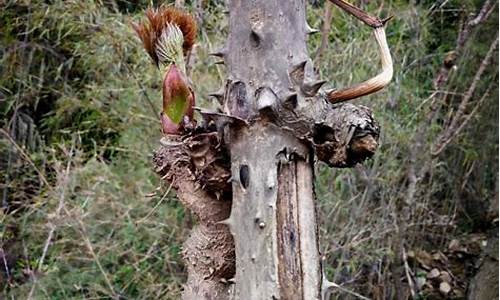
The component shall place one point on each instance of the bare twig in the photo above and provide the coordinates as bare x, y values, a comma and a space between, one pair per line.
331, 286
467, 176
136, 79
462, 38
440, 80
5, 203
63, 184
407, 273
210, 50
156, 206
88, 244
4, 261
484, 13
476, 107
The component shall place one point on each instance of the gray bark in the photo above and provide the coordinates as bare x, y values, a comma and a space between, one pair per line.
484, 285
273, 216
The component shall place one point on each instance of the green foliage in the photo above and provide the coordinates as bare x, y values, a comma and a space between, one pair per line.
81, 99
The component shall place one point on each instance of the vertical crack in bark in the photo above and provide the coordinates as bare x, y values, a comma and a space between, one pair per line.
288, 231
268, 213
309, 241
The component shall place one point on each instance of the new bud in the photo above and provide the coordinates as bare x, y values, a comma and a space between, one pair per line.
178, 101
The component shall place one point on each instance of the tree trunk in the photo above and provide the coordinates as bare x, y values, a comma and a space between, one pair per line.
273, 219
258, 155
271, 81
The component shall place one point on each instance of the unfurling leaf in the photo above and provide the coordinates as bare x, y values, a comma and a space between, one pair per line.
167, 35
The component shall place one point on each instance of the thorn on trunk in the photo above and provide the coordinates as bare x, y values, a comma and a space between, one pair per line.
219, 53
290, 101
237, 103
330, 91
219, 62
310, 30
311, 88
221, 120
228, 222
297, 72
266, 102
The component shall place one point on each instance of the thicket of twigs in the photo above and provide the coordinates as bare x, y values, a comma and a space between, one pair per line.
84, 216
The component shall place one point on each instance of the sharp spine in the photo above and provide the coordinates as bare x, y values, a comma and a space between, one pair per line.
311, 88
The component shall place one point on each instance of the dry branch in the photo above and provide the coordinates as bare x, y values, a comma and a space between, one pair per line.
381, 80
359, 14
462, 38
325, 29
458, 118
414, 174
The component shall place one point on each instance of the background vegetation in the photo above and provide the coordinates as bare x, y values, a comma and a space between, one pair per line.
84, 216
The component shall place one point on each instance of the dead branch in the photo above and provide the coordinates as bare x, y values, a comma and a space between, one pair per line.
462, 38
458, 118
359, 14
483, 14
439, 81
382, 79
325, 29
408, 275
